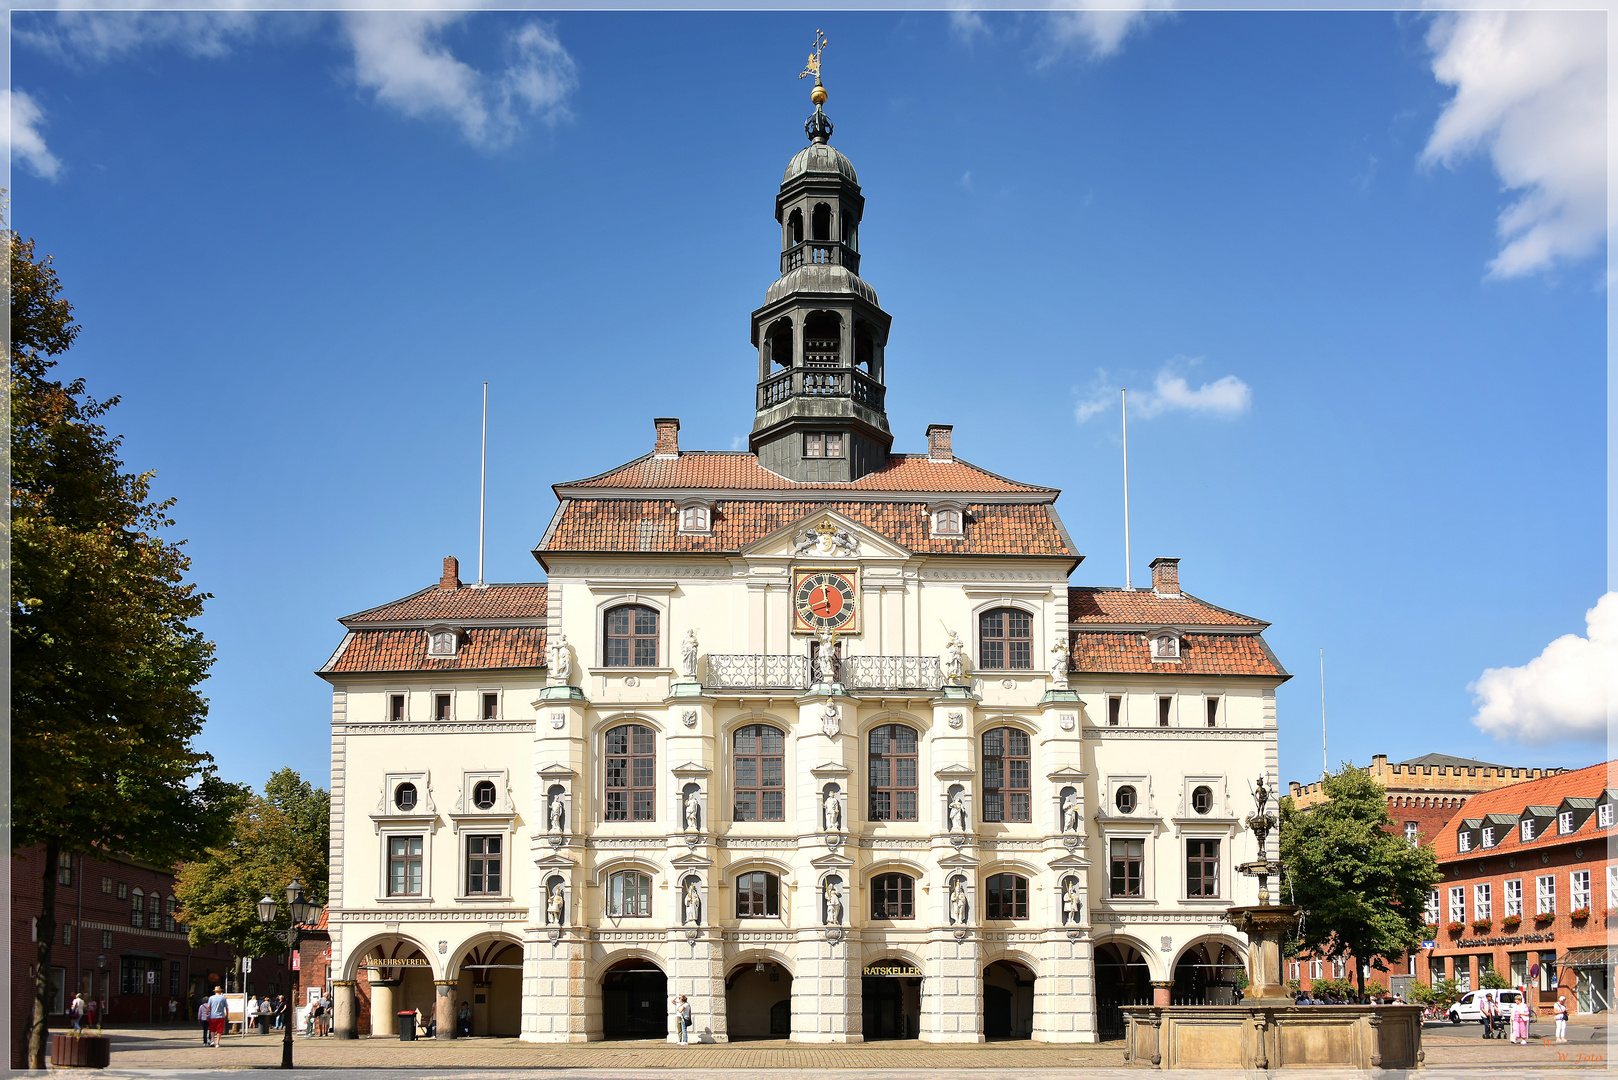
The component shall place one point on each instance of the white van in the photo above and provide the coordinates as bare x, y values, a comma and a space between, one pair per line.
1470, 1007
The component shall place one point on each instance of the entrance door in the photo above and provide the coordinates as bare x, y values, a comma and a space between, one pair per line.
634, 1001
892, 1007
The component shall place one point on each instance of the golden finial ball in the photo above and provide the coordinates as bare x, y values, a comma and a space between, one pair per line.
818, 95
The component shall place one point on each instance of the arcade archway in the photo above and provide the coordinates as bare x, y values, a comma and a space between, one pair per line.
1008, 1000
1207, 974
890, 994
634, 1000
758, 1001
1122, 977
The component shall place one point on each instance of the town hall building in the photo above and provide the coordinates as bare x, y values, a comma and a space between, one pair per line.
816, 734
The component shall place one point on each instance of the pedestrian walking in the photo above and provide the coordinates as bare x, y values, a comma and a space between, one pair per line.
1519, 1018
1561, 1019
280, 1011
202, 1018
1487, 1009
250, 1014
174, 1007
218, 1014
75, 1012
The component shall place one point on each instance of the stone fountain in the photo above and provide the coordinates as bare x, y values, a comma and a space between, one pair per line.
1266, 1030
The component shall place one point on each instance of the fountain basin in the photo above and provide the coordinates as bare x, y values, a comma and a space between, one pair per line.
1260, 1035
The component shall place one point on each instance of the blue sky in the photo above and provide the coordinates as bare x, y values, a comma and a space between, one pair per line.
1360, 309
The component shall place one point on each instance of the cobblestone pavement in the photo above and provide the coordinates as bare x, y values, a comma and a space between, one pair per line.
1458, 1052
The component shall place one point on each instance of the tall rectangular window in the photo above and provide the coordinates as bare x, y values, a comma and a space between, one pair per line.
1412, 834
1604, 816
1463, 840
631, 773
396, 703
629, 895
1457, 904
892, 765
1202, 868
174, 978
759, 759
1564, 822
1126, 867
106, 886
1006, 639
813, 446
441, 706
483, 865
1513, 889
67, 933
1547, 970
64, 870
1545, 894
1317, 969
1007, 795
1432, 906
1482, 901
491, 706
1115, 709
404, 866
1488, 836
1527, 829
758, 895
1213, 712
1164, 704
131, 976
1578, 890
1612, 886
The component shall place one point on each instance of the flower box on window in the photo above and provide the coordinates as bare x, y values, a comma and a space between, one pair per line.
1510, 922
1579, 914
1430, 930
1456, 928
1543, 917
1482, 926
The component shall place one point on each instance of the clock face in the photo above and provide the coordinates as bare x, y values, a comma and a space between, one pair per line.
825, 600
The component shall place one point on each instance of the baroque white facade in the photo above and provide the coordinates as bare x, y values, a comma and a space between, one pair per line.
815, 734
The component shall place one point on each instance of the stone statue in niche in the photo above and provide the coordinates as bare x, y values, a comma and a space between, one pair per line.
1070, 812
561, 659
957, 812
834, 904
834, 812
693, 812
557, 808
957, 902
1072, 902
553, 906
831, 721
954, 658
688, 654
693, 903
1059, 666
826, 656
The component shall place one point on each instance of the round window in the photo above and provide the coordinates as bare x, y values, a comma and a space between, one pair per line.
1202, 799
404, 796
483, 794
1125, 800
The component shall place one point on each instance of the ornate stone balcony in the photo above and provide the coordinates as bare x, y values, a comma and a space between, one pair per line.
821, 382
757, 671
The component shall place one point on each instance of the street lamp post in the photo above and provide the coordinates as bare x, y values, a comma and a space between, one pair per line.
300, 913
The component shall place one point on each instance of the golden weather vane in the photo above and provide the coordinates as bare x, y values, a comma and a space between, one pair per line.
812, 67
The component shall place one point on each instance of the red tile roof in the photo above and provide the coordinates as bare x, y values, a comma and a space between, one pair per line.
1584, 783
1122, 653
480, 648
1143, 607
650, 525
740, 470
526, 602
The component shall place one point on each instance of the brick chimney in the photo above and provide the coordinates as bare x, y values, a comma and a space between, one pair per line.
668, 438
452, 573
938, 442
1166, 577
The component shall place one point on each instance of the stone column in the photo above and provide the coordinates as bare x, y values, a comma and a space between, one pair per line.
698, 971
444, 1007
826, 990
345, 1013
384, 1024
1064, 1004
952, 992
1160, 991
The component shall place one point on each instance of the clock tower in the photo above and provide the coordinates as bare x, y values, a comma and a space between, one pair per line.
821, 334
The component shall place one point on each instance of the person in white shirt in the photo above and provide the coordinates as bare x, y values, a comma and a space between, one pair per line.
1561, 1019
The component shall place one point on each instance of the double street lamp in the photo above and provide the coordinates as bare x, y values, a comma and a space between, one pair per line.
301, 913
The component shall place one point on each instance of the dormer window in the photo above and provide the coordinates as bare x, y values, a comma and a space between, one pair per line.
947, 522
694, 519
1488, 836
1564, 822
1604, 816
441, 642
1527, 829
1165, 647
1465, 841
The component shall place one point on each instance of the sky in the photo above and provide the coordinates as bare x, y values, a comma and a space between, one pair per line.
1350, 266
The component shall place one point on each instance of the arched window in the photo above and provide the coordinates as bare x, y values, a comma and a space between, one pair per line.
760, 763
629, 895
795, 227
758, 895
168, 915
823, 340
820, 222
1007, 897
631, 636
780, 341
893, 896
631, 771
154, 914
851, 233
1007, 794
137, 908
893, 773
1006, 639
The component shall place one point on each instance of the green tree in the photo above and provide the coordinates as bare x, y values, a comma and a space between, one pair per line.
282, 834
1363, 888
1493, 980
105, 663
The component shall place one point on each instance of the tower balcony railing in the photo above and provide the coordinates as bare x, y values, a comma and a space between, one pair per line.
821, 382
820, 253
762, 671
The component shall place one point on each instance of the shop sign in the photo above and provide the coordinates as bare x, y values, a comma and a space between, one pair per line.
414, 961
893, 971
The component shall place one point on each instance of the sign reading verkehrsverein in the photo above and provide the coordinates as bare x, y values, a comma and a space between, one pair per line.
893, 971
414, 961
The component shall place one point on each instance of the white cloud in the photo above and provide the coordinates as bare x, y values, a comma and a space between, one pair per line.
738, 442
1096, 28
99, 36
1530, 90
1563, 693
1226, 396
24, 142
401, 57
967, 25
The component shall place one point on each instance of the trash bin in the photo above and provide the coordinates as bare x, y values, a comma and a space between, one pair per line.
407, 1025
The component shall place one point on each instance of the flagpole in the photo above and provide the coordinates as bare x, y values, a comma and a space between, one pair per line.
1325, 765
483, 480
1123, 400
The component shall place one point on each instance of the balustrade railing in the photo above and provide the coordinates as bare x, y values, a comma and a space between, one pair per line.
891, 673
757, 671
820, 253
821, 382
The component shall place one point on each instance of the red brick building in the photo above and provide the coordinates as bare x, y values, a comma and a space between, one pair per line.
117, 940
1529, 891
